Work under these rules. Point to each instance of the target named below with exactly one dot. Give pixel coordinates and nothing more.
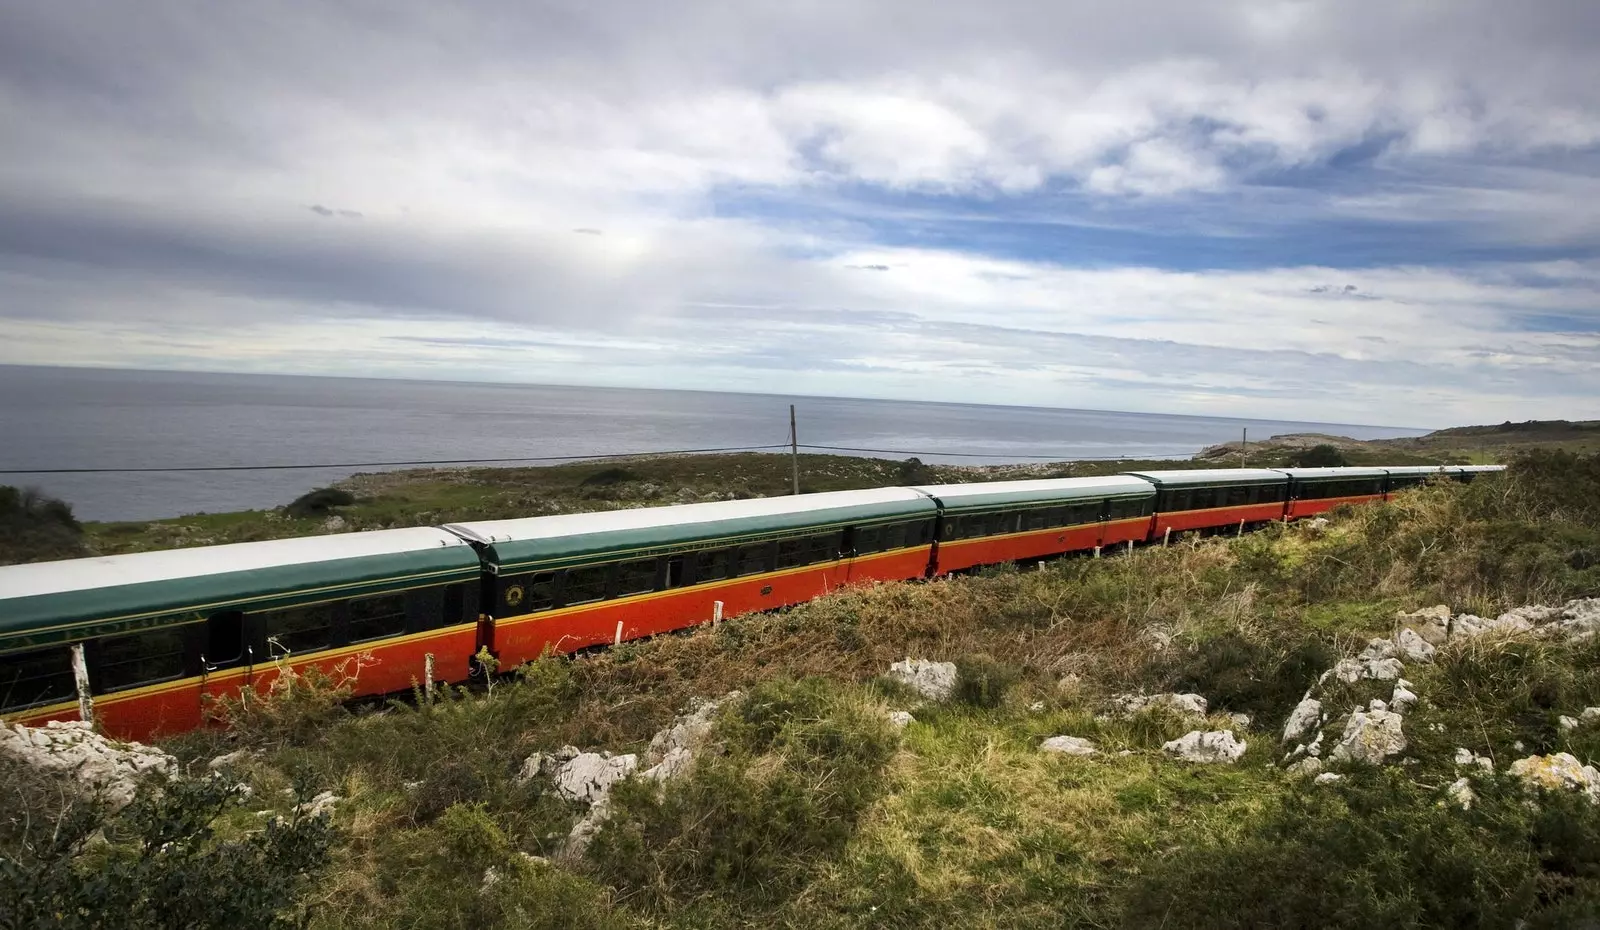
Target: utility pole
(794, 449)
(1244, 441)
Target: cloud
(1311, 206)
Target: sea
(116, 420)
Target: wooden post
(427, 676)
(1097, 552)
(618, 641)
(1166, 538)
(1130, 547)
(794, 449)
(1244, 442)
(716, 613)
(80, 677)
(1241, 529)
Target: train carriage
(163, 630)
(574, 581)
(1008, 521)
(1215, 498)
(1314, 490)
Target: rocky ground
(1276, 730)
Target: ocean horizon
(107, 418)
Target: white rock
(900, 719)
(1431, 623)
(333, 524)
(1215, 746)
(229, 760)
(933, 680)
(677, 762)
(1402, 700)
(1302, 720)
(1460, 794)
(688, 731)
(1036, 707)
(1378, 649)
(1580, 618)
(1470, 625)
(1558, 772)
(1518, 746)
(588, 777)
(1590, 714)
(1314, 748)
(1413, 648)
(1070, 745)
(1306, 766)
(540, 763)
(1376, 704)
(1372, 737)
(1533, 614)
(1567, 723)
(323, 803)
(1327, 778)
(1182, 703)
(1468, 757)
(99, 765)
(1241, 721)
(1351, 671)
(1383, 669)
(1318, 524)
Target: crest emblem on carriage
(514, 596)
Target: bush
(608, 477)
(297, 707)
(1378, 851)
(1262, 677)
(983, 682)
(163, 865)
(803, 761)
(318, 503)
(1319, 456)
(35, 527)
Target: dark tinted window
(138, 659)
(224, 643)
(376, 617)
(582, 585)
(895, 536)
(539, 591)
(869, 539)
(1080, 514)
(636, 577)
(1128, 508)
(919, 532)
(753, 559)
(300, 629)
(715, 565)
(825, 547)
(454, 608)
(677, 567)
(792, 553)
(43, 676)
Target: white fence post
(618, 641)
(1097, 552)
(716, 613)
(1130, 547)
(427, 676)
(1241, 529)
(1166, 538)
(80, 676)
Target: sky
(1361, 211)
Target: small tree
(1324, 455)
(35, 527)
(319, 502)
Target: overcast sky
(1377, 212)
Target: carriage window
(139, 659)
(300, 629)
(374, 617)
(540, 592)
(792, 552)
(582, 585)
(715, 565)
(868, 539)
(637, 577)
(1236, 497)
(1033, 520)
(43, 676)
(895, 536)
(753, 559)
(919, 533)
(825, 548)
(454, 606)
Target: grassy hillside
(810, 810)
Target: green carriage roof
(1041, 492)
(49, 602)
(1335, 473)
(513, 544)
(1210, 477)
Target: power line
(978, 455)
(541, 458)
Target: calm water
(79, 418)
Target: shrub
(163, 865)
(1318, 456)
(983, 682)
(1377, 850)
(803, 760)
(319, 503)
(1263, 677)
(36, 527)
(607, 477)
(296, 708)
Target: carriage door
(224, 647)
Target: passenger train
(164, 631)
